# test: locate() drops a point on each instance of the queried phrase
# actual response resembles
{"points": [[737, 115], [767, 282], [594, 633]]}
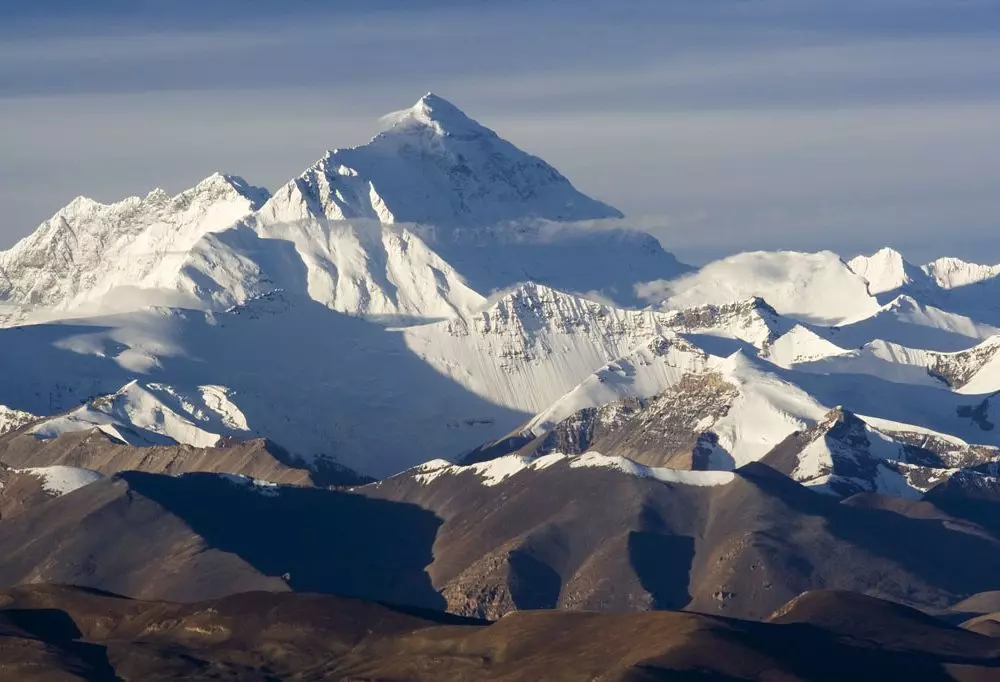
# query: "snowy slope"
{"points": [[766, 410], [319, 383], [703, 337], [154, 414], [720, 418], [907, 322], [59, 480], [87, 248], [888, 361], [643, 372], [814, 287], [532, 345], [358, 268], [751, 321], [801, 345]]}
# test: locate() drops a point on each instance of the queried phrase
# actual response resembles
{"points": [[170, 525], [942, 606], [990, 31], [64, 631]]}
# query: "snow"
{"points": [[801, 345], [433, 165], [11, 419], [886, 271], [906, 321], [813, 287], [152, 413], [259, 486], [59, 480], [644, 372], [766, 411], [532, 345], [496, 471], [358, 267], [951, 273], [663, 474]]}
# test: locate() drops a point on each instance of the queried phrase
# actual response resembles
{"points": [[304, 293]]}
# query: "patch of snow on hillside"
{"points": [[766, 410], [59, 480], [627, 466], [265, 488], [496, 471]]}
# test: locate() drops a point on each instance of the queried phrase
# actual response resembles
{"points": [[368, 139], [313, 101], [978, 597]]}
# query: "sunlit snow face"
{"points": [[719, 126]]}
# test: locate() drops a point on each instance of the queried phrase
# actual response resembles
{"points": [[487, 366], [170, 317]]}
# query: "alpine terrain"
{"points": [[427, 406]]}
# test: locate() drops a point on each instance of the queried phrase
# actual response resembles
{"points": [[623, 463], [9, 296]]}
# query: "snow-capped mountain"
{"points": [[420, 223], [437, 289], [88, 249]]}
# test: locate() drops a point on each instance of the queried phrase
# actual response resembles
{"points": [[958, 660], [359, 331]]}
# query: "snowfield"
{"points": [[410, 299]]}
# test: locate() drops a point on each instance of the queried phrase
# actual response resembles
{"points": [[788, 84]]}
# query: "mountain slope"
{"points": [[532, 345]]}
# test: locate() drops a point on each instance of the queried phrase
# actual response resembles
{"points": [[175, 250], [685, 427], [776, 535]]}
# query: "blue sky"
{"points": [[719, 125]]}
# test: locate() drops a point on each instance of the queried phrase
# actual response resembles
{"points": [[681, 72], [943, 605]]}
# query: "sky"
{"points": [[717, 125]]}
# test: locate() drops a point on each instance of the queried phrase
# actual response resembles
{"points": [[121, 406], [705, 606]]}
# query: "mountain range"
{"points": [[429, 371]]}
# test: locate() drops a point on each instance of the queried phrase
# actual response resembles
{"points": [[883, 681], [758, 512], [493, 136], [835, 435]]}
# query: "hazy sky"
{"points": [[719, 125]]}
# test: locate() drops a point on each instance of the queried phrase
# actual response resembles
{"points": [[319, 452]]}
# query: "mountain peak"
{"points": [[438, 115], [221, 184], [433, 165], [886, 271]]}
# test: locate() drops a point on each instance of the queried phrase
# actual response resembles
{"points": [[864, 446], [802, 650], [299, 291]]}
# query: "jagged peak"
{"points": [[530, 292], [949, 272], [751, 304], [220, 184], [902, 303], [885, 270], [839, 415], [215, 184]]}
